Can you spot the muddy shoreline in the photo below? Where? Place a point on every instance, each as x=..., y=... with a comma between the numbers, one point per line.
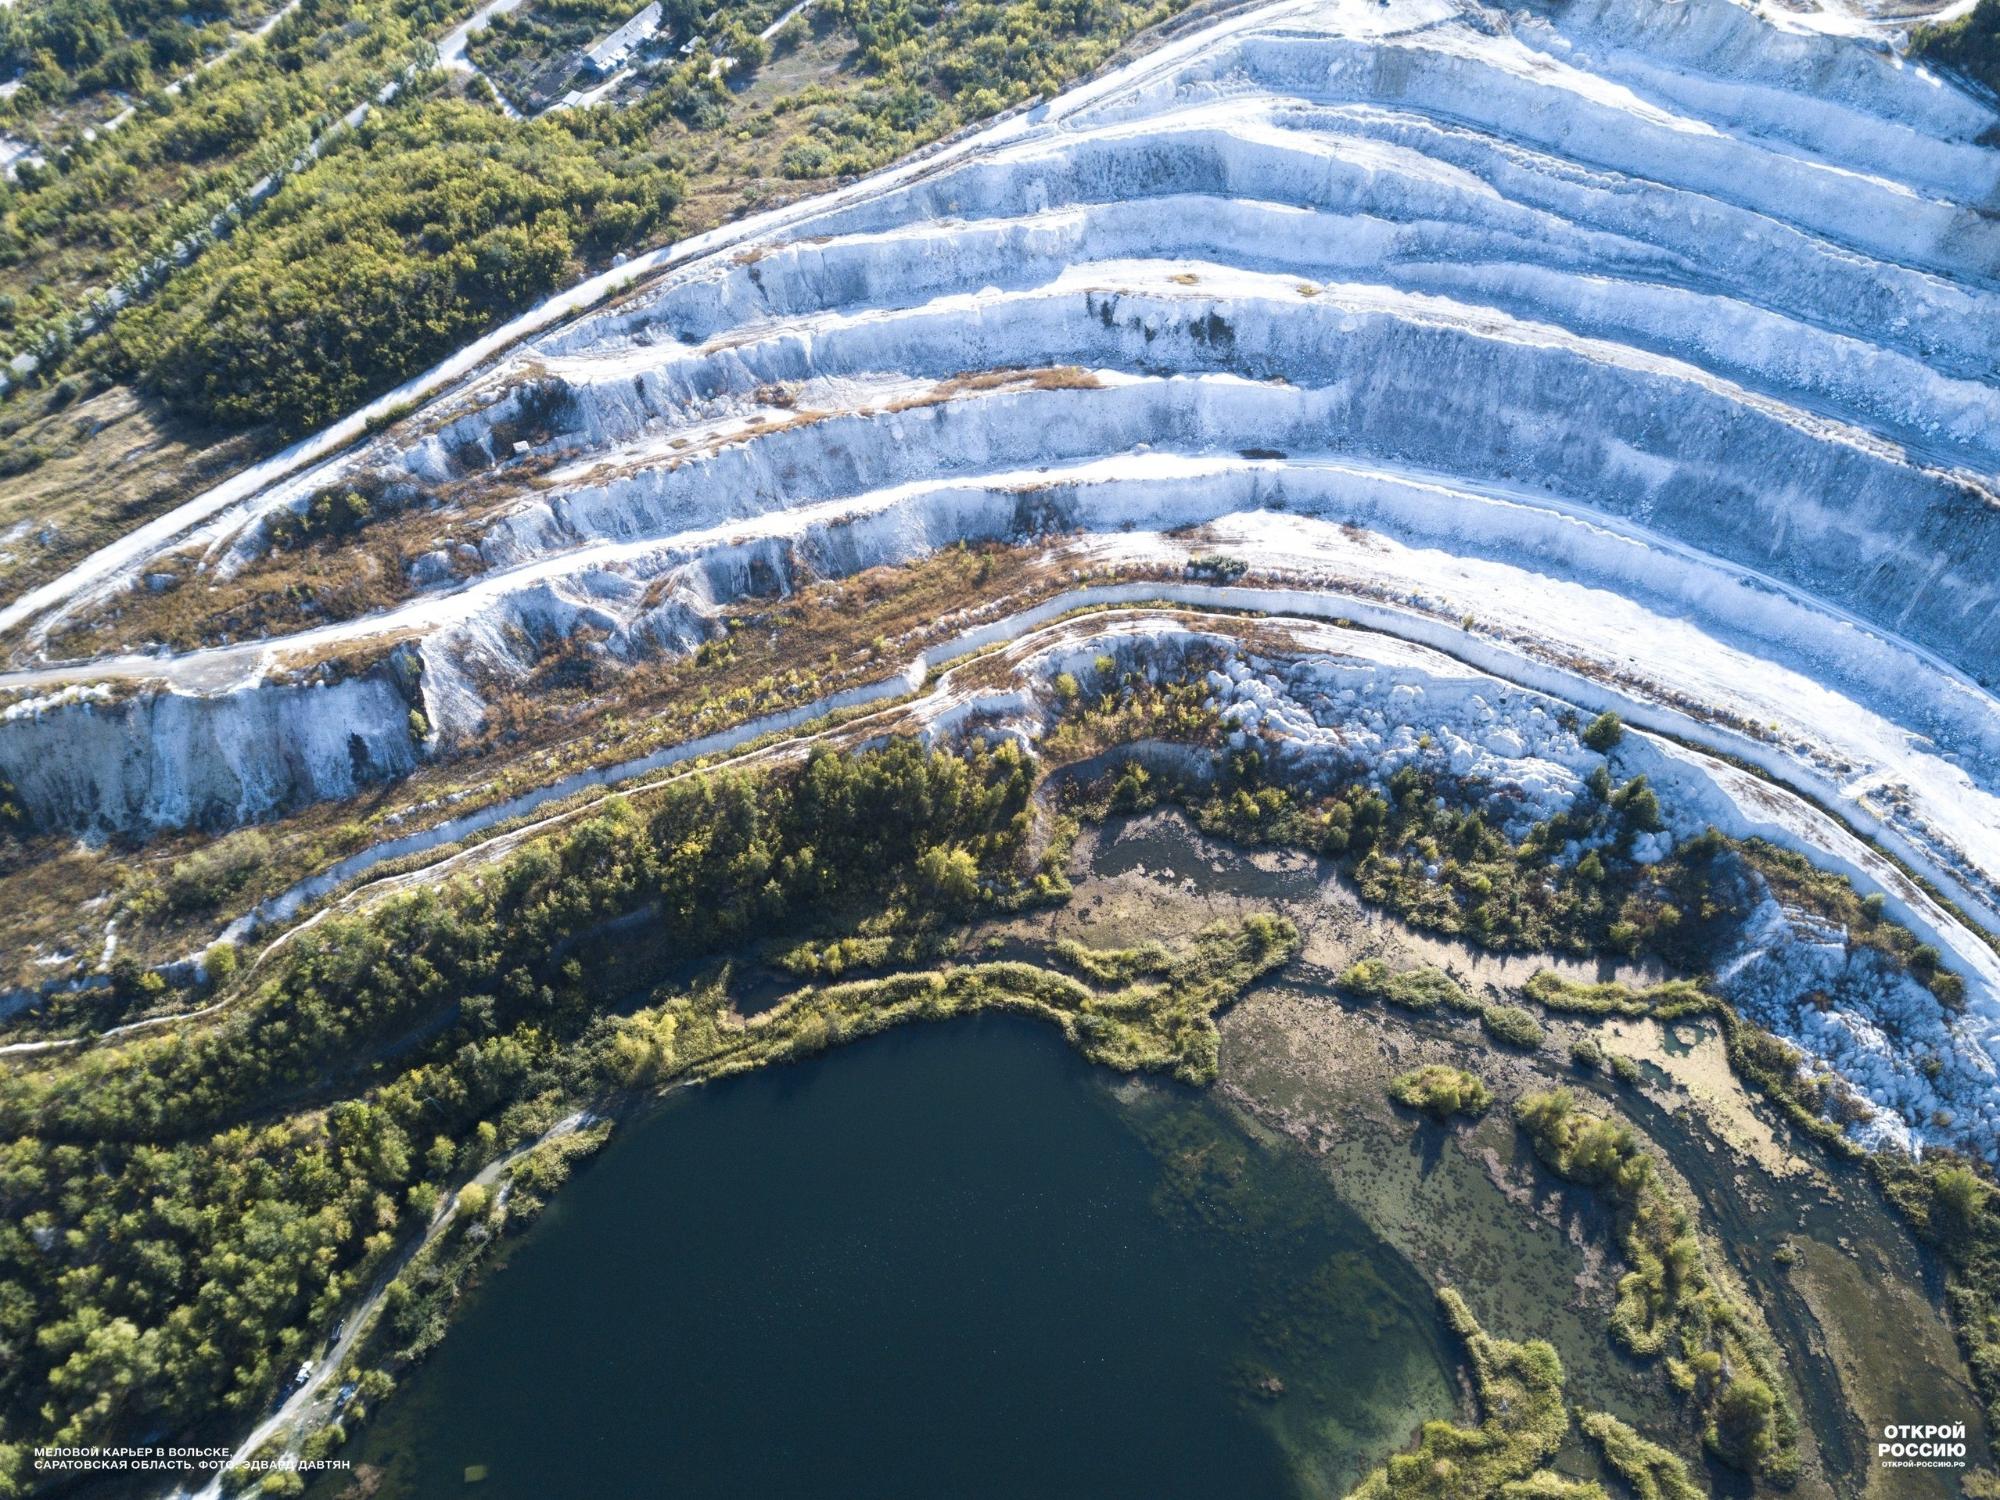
x=1851, y=1301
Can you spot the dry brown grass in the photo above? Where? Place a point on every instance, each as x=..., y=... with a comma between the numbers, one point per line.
x=288, y=588
x=367, y=571
x=982, y=382
x=113, y=462
x=776, y=652
x=1045, y=378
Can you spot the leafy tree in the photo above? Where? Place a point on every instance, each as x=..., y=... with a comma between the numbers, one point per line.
x=951, y=873
x=1740, y=1430
x=1604, y=733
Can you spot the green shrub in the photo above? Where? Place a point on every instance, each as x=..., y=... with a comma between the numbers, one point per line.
x=220, y=962
x=1604, y=733
x=1441, y=1091
x=1115, y=965
x=208, y=877
x=329, y=515
x=1513, y=1025
x=1523, y=1423
x=1742, y=1428
x=1960, y=1199
x=1159, y=1021
x=1651, y=1471
x=1413, y=989
x=1670, y=1000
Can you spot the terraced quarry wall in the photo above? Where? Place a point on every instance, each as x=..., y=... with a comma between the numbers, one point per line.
x=1642, y=356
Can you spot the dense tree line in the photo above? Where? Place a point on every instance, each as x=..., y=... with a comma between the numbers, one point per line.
x=179, y=1215
x=983, y=56
x=539, y=43
x=934, y=66
x=105, y=205
x=1969, y=45
x=332, y=290
x=414, y=234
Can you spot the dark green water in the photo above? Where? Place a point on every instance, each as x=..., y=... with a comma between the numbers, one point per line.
x=949, y=1261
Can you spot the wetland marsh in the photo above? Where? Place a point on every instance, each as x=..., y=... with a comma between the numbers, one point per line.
x=959, y=1255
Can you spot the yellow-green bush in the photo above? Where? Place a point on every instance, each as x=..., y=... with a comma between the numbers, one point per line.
x=1523, y=1422
x=1441, y=1091
x=1668, y=1303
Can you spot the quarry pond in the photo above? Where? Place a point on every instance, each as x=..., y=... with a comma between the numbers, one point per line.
x=958, y=1258
x=953, y=1260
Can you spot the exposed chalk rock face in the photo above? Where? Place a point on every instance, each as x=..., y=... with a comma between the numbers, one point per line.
x=1645, y=355
x=1851, y=1012
x=1339, y=715
x=1701, y=273
x=174, y=760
